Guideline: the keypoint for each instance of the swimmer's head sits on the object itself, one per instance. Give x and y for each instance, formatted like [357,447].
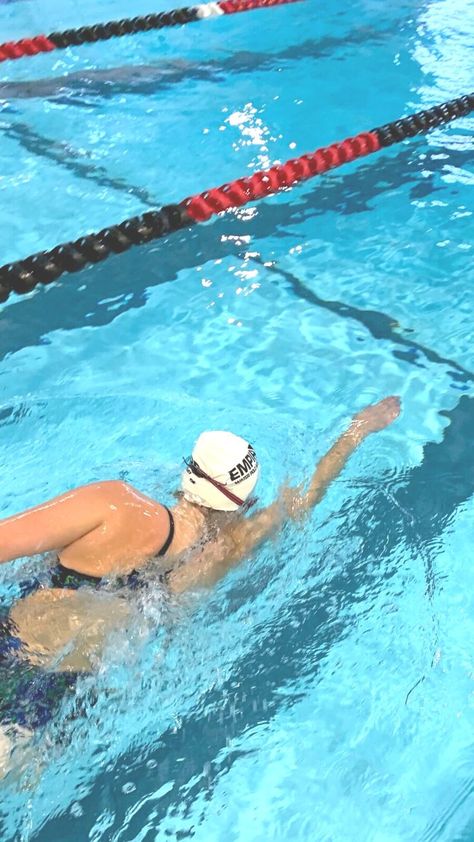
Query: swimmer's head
[221,473]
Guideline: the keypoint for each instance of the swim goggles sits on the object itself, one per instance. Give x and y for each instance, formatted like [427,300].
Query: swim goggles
[198,472]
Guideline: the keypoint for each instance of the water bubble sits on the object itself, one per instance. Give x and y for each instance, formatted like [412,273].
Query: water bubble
[128,788]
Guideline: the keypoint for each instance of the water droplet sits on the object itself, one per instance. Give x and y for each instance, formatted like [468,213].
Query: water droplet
[128,788]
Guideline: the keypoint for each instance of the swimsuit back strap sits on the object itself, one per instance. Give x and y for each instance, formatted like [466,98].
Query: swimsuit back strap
[170,537]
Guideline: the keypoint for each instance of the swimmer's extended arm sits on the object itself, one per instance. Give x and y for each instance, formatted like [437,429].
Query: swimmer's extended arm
[291,504]
[57,523]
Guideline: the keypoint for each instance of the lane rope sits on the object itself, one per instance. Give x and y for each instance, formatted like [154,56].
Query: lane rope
[12,50]
[44,267]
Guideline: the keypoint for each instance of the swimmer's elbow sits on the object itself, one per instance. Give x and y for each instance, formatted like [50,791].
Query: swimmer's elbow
[294,503]
[10,551]
[15,548]
[12,541]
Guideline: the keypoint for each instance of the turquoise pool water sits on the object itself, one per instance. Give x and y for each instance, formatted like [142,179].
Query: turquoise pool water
[323,691]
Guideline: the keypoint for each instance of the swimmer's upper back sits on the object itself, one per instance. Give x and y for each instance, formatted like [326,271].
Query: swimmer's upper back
[99,529]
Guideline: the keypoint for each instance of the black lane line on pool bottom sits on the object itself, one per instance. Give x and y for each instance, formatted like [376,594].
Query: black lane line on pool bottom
[378,324]
[291,647]
[66,156]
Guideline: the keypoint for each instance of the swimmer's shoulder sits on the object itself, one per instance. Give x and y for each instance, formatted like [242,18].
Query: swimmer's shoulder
[205,563]
[117,493]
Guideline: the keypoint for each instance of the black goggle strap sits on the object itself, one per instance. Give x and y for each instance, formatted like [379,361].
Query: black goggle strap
[197,471]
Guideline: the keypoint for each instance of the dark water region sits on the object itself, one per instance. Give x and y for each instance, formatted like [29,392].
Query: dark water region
[77,87]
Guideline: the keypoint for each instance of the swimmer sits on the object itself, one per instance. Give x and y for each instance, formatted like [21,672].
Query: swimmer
[111,531]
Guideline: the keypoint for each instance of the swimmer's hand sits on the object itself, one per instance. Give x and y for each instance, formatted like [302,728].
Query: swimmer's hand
[374,418]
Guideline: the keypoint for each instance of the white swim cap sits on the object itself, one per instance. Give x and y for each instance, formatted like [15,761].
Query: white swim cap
[222,471]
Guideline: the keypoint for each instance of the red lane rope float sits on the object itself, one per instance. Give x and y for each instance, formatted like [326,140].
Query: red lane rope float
[114,29]
[47,266]
[237,193]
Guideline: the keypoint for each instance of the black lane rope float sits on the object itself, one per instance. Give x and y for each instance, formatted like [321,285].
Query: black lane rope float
[128,26]
[22,276]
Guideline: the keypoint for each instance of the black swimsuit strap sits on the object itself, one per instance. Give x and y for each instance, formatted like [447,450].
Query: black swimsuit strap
[170,537]
[64,577]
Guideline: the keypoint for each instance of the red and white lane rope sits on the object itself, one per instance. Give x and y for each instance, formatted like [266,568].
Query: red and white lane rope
[128,26]
[46,266]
